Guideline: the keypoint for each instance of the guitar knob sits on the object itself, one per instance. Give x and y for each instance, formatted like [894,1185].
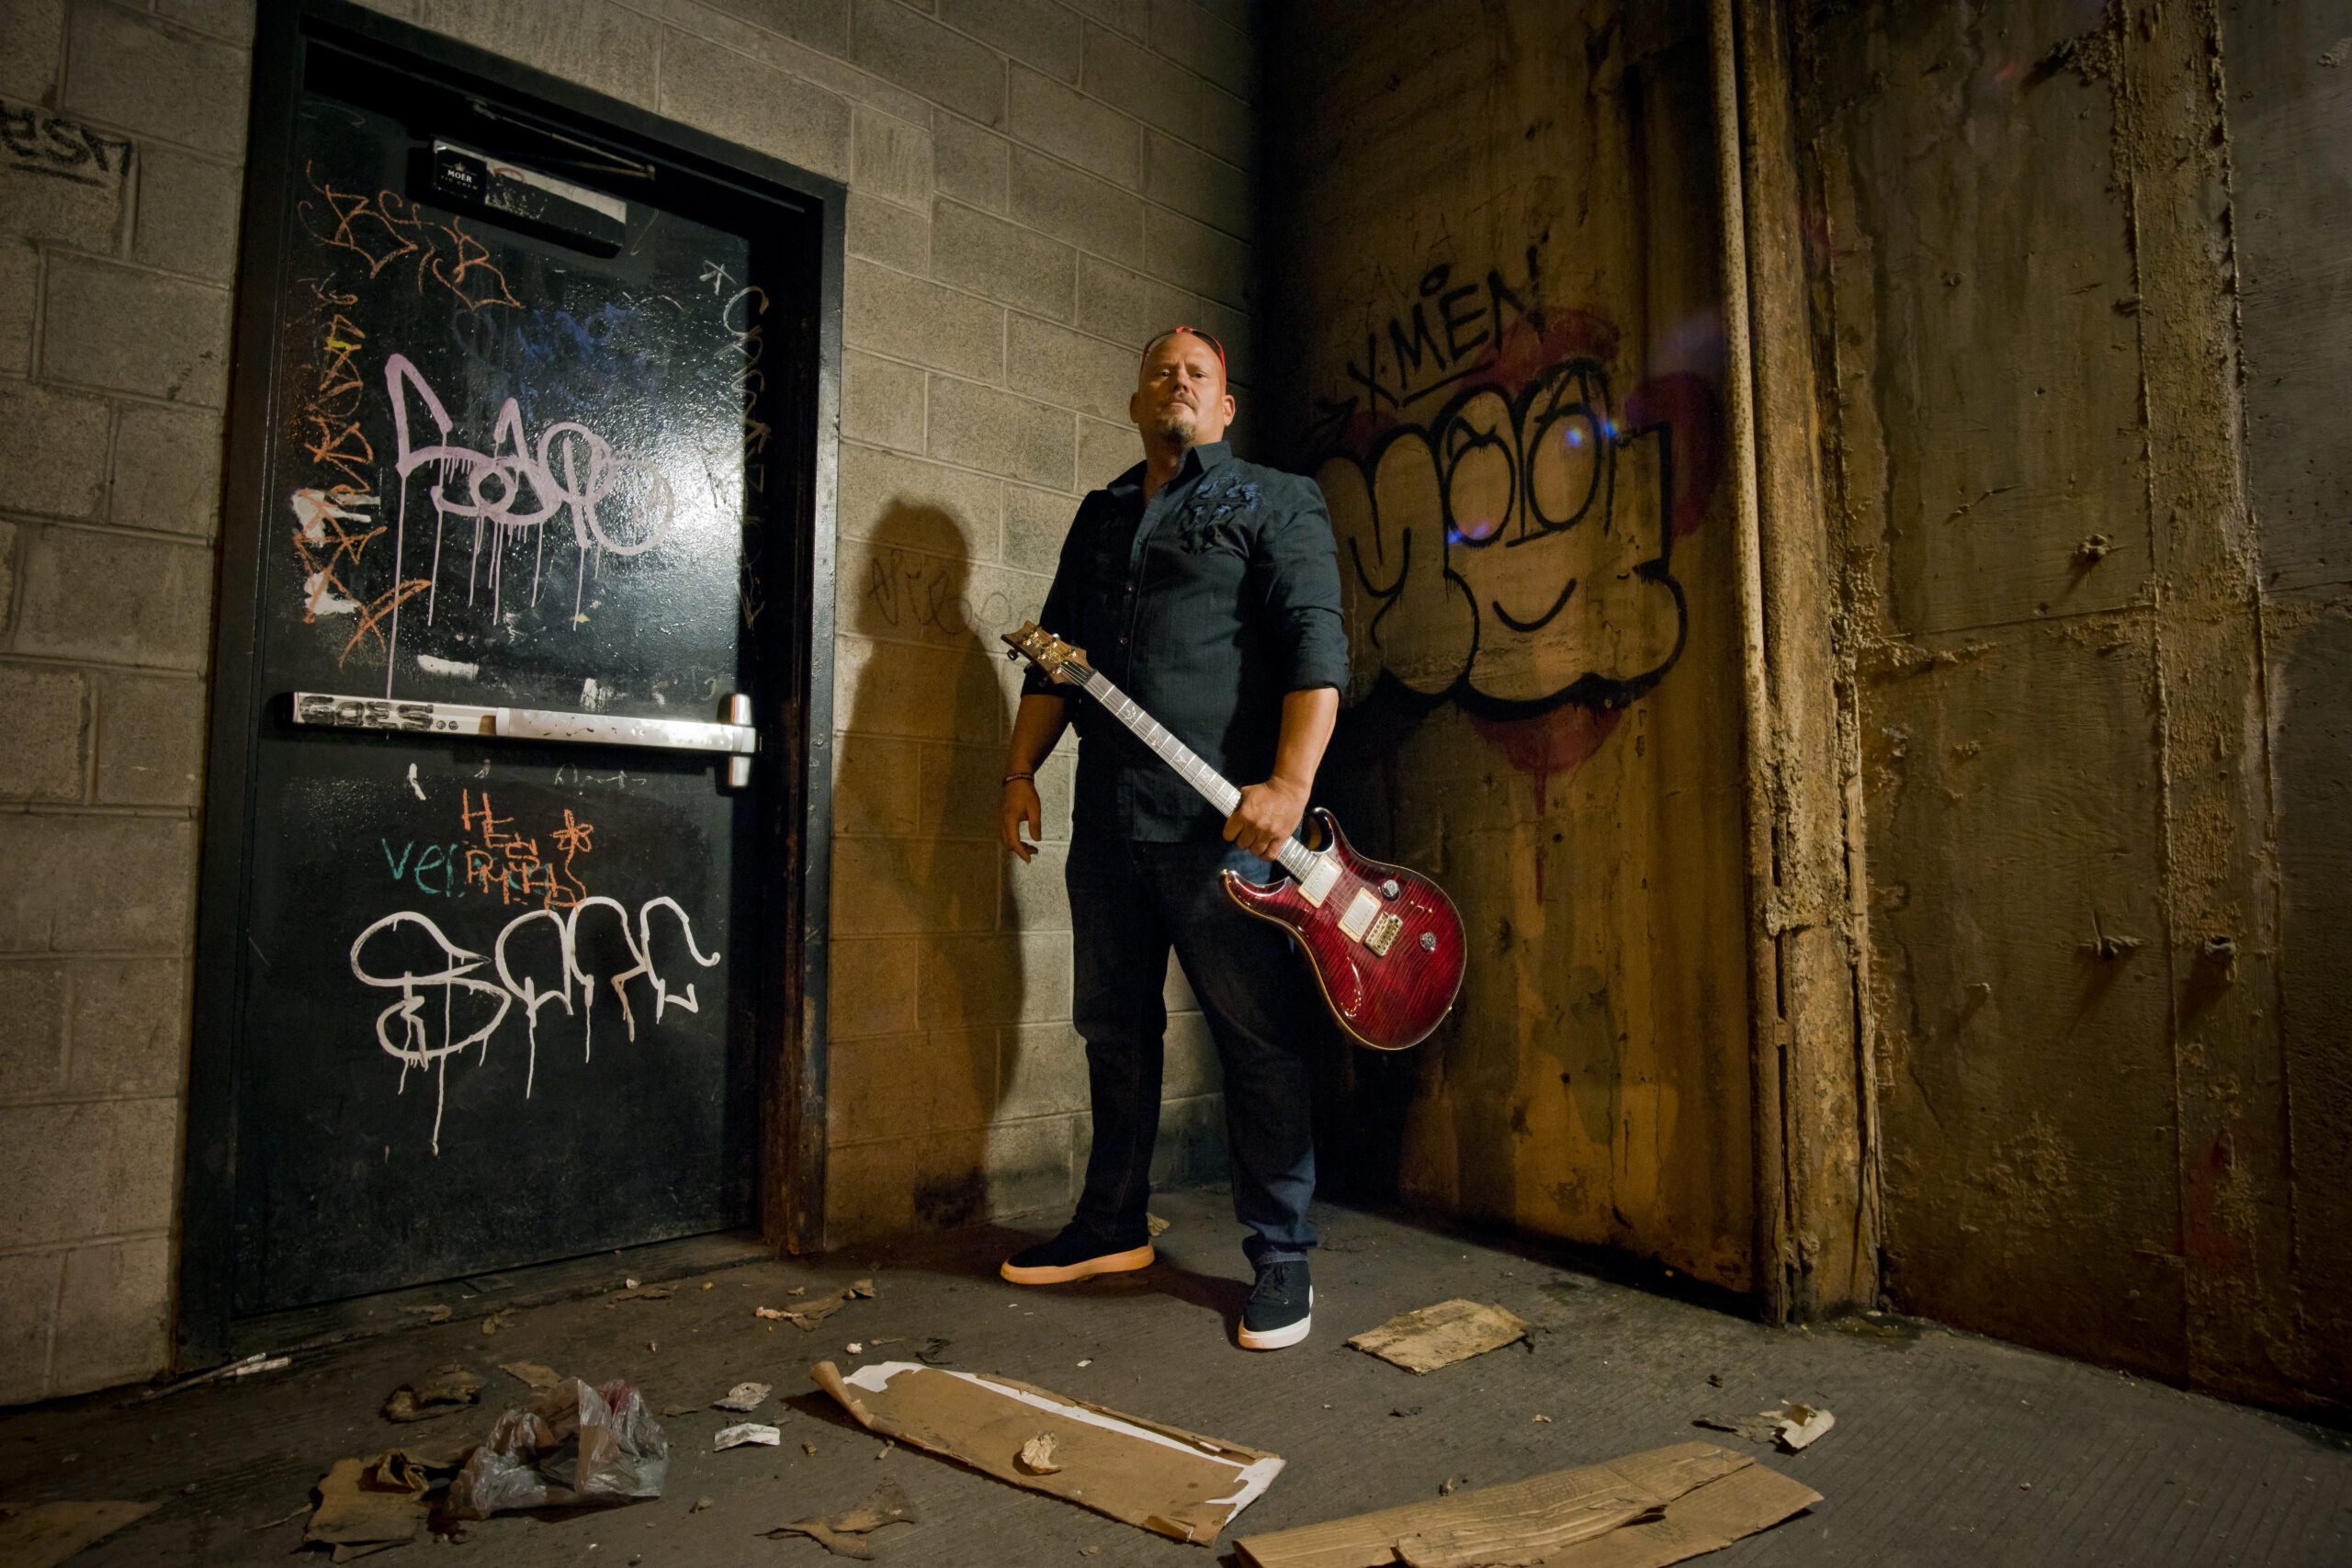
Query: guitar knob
[1428,941]
[1388,888]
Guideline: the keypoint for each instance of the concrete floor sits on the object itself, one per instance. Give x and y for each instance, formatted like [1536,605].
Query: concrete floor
[1947,1450]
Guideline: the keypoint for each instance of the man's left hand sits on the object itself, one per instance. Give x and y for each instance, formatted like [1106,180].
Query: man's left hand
[1268,815]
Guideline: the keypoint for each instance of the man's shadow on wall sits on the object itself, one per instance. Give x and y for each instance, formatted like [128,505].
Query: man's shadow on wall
[929,687]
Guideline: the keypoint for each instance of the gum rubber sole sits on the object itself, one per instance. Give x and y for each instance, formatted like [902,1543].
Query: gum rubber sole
[1289,1333]
[1084,1269]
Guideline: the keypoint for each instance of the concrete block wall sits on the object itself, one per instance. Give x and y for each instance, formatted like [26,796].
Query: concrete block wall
[1035,186]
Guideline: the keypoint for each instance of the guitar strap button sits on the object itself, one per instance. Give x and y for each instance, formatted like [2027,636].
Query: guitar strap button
[1428,941]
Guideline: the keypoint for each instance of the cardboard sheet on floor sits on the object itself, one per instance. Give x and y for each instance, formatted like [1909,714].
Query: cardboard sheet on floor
[1433,1337]
[1642,1511]
[1162,1478]
[46,1534]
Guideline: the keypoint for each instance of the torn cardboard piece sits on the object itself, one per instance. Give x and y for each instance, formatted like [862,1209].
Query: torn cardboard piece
[1799,1424]
[743,1433]
[886,1505]
[45,1534]
[531,1373]
[1642,1511]
[1433,1337]
[367,1504]
[449,1389]
[1159,1478]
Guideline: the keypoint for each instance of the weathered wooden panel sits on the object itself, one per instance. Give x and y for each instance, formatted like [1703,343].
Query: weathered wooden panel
[1496,309]
[2290,114]
[2026,1076]
[2008,374]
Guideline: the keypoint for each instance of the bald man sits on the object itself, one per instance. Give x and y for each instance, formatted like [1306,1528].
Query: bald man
[1208,589]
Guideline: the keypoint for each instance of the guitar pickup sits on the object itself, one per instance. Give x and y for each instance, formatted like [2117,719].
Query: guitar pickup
[1382,934]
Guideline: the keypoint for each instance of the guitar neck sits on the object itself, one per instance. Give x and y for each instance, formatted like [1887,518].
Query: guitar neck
[1211,786]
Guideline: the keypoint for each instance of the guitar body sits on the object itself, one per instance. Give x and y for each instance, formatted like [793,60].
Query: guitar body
[1389,962]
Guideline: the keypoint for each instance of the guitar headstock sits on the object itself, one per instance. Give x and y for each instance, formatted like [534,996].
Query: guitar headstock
[1058,660]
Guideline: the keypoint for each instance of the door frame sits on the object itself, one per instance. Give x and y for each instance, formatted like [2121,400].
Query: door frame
[794,800]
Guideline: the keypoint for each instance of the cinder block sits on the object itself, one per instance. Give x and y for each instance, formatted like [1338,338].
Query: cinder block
[8,532]
[918,505]
[229,19]
[34,59]
[1035,523]
[1180,175]
[1041,1069]
[889,592]
[113,1316]
[910,318]
[1192,1148]
[1105,451]
[1034,897]
[963,786]
[62,180]
[1190,1066]
[1125,306]
[97,1169]
[1031,1168]
[877,785]
[1119,70]
[166,469]
[918,54]
[880,230]
[1057,782]
[113,597]
[1036,32]
[129,1034]
[1229,129]
[882,402]
[870,990]
[1071,368]
[973,165]
[52,451]
[969,981]
[1004,260]
[1198,256]
[49,725]
[131,330]
[1132,18]
[900,886]
[1192,37]
[28,1311]
[188,211]
[1059,119]
[94,884]
[156,79]
[32,1029]
[828,68]
[926,693]
[899,1085]
[593,42]
[719,91]
[19,297]
[1091,214]
[819,24]
[890,158]
[982,427]
[1177,993]
[870,1190]
[151,740]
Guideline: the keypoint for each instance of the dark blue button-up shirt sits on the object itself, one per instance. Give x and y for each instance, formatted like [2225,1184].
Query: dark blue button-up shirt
[1206,606]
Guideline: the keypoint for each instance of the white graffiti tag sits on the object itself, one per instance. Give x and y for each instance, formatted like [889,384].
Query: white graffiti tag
[451,970]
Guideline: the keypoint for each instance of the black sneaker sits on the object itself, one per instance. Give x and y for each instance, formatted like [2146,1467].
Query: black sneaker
[1281,1307]
[1072,1256]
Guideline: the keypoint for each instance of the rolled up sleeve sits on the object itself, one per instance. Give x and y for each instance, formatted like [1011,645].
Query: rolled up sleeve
[1303,595]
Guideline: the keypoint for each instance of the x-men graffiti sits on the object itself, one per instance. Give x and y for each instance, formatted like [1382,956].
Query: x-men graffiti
[1506,520]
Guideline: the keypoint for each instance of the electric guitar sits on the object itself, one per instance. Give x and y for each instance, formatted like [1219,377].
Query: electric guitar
[1384,943]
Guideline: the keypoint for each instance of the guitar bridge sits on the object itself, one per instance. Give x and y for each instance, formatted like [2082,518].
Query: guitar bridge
[1383,933]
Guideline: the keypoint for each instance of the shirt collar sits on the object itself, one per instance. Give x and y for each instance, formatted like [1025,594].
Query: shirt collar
[1198,461]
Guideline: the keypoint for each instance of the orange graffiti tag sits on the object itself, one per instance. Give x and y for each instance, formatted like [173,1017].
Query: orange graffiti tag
[510,864]
[384,228]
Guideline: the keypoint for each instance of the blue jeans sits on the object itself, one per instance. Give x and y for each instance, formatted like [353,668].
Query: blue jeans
[1129,904]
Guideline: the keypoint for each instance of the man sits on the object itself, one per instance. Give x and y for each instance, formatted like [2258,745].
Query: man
[1208,589]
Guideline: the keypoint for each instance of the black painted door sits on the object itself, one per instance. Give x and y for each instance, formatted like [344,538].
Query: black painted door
[493,1008]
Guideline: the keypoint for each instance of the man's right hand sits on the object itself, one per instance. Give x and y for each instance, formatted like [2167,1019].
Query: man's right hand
[1021,805]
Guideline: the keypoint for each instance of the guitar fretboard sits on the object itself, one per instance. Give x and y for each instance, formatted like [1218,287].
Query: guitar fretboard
[1214,787]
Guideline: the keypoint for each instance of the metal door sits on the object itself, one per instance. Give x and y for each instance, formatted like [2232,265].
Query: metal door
[502,867]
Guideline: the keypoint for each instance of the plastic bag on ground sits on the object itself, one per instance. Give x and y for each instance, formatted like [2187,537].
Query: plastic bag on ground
[572,1446]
